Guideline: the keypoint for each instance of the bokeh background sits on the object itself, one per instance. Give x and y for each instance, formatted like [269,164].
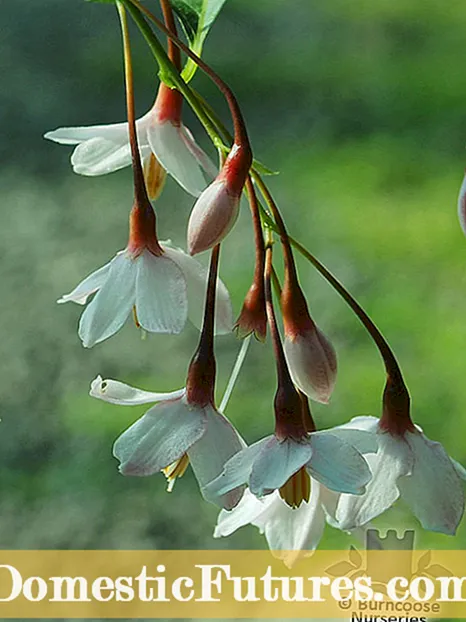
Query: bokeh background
[361,107]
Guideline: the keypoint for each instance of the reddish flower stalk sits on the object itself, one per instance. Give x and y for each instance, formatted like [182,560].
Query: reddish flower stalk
[143,232]
[216,210]
[396,417]
[200,385]
[253,316]
[288,404]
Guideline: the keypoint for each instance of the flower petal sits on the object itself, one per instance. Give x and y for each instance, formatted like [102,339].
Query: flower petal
[99,156]
[112,304]
[248,511]
[115,132]
[91,284]
[433,490]
[161,302]
[291,531]
[198,153]
[276,463]
[161,436]
[393,459]
[196,280]
[170,149]
[116,392]
[236,471]
[337,464]
[210,453]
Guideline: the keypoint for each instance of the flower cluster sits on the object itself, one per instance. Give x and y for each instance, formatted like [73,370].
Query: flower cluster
[297,479]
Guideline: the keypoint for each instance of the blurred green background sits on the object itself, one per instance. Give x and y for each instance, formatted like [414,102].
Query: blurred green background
[361,107]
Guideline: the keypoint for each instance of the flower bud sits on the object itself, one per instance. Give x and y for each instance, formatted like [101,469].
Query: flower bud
[212,217]
[310,356]
[216,210]
[253,316]
[462,205]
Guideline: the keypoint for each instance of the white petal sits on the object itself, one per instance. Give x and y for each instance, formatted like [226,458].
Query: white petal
[249,510]
[364,441]
[196,280]
[171,151]
[291,531]
[393,459]
[236,471]
[91,284]
[112,304]
[198,153]
[100,156]
[276,463]
[459,468]
[210,453]
[116,132]
[337,464]
[116,392]
[434,490]
[161,301]
[161,436]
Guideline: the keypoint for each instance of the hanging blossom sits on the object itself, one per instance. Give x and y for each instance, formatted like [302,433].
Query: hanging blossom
[407,465]
[174,433]
[184,426]
[162,138]
[286,460]
[161,284]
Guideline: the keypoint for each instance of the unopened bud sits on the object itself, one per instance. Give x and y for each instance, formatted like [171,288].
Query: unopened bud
[253,316]
[212,217]
[462,205]
[312,363]
[216,210]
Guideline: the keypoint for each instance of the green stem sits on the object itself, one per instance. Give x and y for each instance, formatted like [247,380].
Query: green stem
[166,66]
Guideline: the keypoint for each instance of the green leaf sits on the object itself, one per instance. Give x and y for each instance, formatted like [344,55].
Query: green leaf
[262,169]
[189,12]
[196,16]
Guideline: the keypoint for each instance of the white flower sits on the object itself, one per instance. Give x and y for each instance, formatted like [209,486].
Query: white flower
[163,290]
[411,467]
[102,149]
[269,464]
[173,430]
[289,531]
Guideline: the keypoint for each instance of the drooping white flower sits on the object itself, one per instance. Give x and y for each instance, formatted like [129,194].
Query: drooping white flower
[270,464]
[412,467]
[102,149]
[162,289]
[290,532]
[171,433]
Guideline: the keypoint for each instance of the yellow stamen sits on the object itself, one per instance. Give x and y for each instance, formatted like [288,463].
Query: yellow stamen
[155,176]
[135,317]
[174,470]
[297,489]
